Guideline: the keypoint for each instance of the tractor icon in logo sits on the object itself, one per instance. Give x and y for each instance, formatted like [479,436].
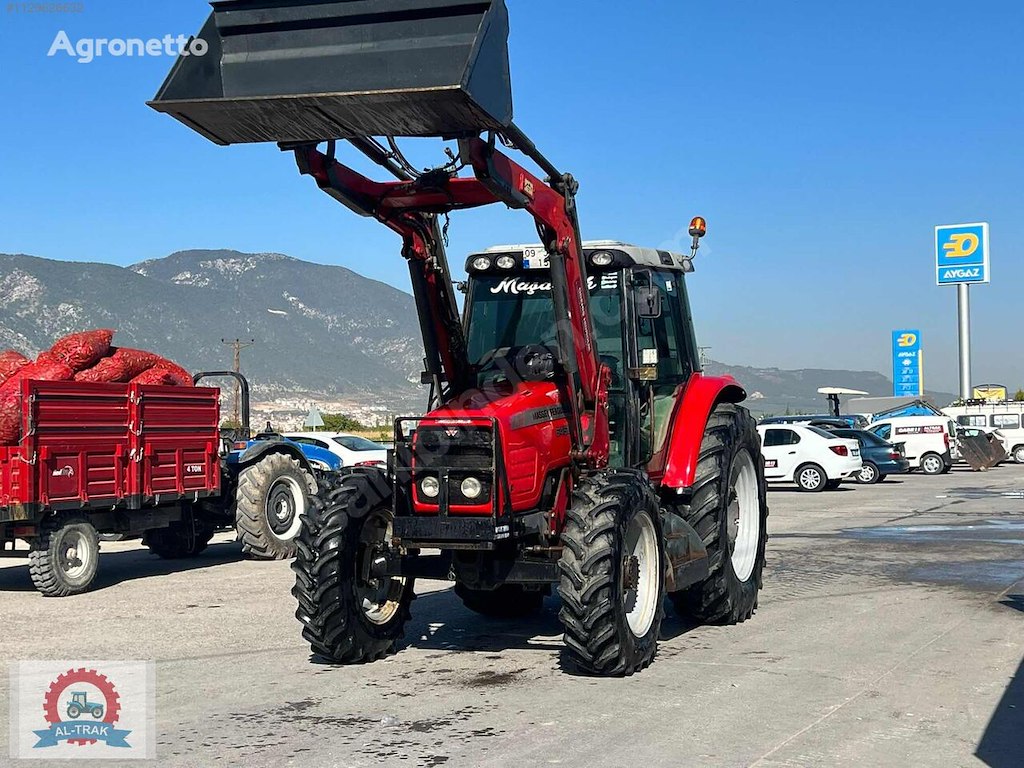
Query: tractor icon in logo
[79,703]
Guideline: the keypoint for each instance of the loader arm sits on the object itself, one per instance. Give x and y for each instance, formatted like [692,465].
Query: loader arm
[410,207]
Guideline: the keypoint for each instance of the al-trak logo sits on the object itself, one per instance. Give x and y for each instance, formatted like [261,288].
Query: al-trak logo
[81,707]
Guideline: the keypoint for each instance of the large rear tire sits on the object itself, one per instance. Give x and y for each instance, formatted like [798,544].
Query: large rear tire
[347,615]
[64,556]
[272,496]
[508,601]
[612,574]
[729,511]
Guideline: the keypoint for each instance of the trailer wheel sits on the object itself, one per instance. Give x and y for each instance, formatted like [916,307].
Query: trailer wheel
[612,574]
[349,616]
[64,557]
[508,601]
[271,498]
[729,511]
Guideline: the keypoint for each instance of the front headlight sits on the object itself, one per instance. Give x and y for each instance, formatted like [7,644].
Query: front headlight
[320,466]
[471,488]
[430,487]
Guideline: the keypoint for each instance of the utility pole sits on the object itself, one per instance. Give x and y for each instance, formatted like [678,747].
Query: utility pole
[237,345]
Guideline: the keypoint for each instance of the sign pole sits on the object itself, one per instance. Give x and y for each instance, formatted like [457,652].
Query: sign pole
[963,308]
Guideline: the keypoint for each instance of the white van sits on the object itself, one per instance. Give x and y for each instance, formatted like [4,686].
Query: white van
[1007,417]
[925,440]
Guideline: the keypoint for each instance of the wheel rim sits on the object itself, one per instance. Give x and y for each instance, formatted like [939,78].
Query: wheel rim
[744,515]
[931,464]
[1018,455]
[640,574]
[380,597]
[285,503]
[810,477]
[75,555]
[867,473]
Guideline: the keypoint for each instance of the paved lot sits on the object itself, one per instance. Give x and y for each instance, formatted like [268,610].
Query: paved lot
[889,633]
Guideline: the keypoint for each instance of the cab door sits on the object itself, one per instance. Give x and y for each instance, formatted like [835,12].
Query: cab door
[780,447]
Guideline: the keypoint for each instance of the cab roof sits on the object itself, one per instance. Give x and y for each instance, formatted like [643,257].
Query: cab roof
[625,255]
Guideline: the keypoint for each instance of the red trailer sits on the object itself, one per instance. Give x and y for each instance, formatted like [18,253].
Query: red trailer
[118,458]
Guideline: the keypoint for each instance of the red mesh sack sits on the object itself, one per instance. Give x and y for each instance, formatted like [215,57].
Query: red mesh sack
[41,370]
[10,418]
[124,365]
[81,350]
[165,372]
[10,362]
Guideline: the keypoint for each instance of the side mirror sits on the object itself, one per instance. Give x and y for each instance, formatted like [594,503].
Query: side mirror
[648,301]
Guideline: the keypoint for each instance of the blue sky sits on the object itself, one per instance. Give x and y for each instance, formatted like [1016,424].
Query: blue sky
[823,141]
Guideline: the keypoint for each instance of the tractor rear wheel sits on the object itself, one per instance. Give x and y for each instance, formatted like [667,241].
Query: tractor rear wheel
[271,498]
[508,601]
[64,556]
[612,580]
[349,615]
[728,510]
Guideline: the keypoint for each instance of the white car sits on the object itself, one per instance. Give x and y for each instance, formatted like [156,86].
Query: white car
[353,450]
[813,458]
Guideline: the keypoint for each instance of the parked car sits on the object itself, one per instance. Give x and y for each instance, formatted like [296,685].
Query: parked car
[812,458]
[823,420]
[880,458]
[926,440]
[354,451]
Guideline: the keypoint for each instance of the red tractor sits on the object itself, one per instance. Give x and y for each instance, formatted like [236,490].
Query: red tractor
[571,439]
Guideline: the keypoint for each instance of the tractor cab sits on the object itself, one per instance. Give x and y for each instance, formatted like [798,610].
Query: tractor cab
[642,330]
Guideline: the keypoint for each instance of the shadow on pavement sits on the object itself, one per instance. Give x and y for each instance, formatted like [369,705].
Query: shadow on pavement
[1002,743]
[440,622]
[1017,603]
[117,567]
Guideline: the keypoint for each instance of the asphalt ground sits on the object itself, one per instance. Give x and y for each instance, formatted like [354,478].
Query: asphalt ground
[888,633]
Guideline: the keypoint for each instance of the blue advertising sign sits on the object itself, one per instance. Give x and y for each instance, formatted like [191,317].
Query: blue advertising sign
[961,254]
[906,363]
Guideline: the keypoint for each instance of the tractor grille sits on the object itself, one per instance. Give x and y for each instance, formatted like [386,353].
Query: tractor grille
[463,452]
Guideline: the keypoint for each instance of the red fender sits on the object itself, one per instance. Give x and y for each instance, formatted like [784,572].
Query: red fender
[689,420]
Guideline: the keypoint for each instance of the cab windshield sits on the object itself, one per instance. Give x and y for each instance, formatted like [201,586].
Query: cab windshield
[516,310]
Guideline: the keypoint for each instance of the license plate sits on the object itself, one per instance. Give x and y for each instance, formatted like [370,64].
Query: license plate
[535,258]
[771,464]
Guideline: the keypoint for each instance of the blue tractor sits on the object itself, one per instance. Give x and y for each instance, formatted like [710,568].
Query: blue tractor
[266,482]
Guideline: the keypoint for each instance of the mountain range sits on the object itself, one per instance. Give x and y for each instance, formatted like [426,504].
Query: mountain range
[322,333]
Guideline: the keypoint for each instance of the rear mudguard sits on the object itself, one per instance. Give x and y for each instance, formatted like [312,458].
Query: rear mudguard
[261,449]
[689,419]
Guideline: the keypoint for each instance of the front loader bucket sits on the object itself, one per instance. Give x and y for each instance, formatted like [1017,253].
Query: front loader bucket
[312,70]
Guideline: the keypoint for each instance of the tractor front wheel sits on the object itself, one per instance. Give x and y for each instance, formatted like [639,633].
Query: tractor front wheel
[729,511]
[612,579]
[64,556]
[349,614]
[271,498]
